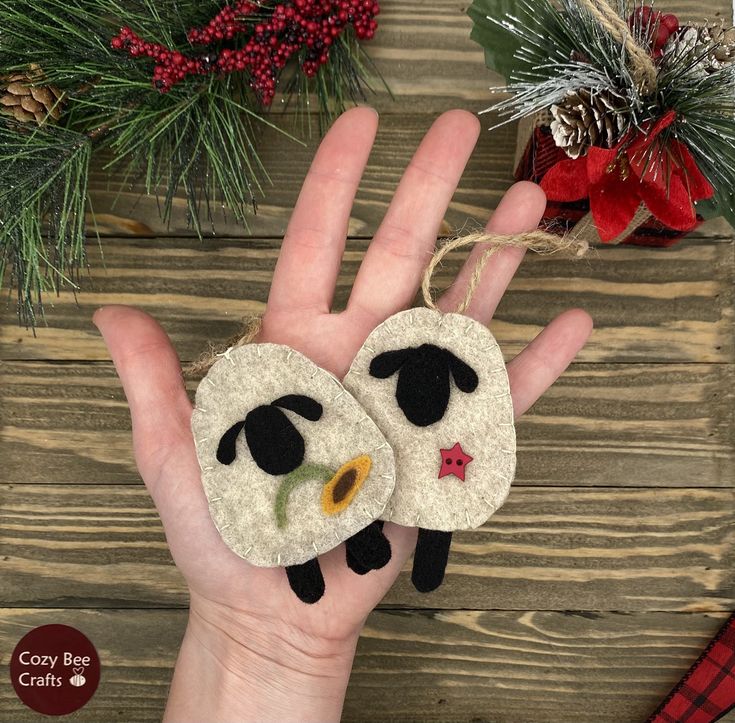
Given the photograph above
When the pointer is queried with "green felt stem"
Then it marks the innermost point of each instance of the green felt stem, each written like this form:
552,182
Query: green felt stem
305,473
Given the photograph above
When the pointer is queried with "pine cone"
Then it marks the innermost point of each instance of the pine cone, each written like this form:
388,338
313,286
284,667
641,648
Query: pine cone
587,118
23,96
715,45
724,40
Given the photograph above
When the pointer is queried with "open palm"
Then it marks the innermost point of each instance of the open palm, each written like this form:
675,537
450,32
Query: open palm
223,586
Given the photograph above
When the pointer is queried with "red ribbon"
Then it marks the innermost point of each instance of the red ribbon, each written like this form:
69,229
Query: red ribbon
642,168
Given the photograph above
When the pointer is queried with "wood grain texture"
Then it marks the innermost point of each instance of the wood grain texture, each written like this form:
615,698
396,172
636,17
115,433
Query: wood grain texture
673,305
624,506
612,425
497,667
592,549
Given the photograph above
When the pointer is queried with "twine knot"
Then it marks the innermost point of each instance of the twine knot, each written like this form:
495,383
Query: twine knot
250,328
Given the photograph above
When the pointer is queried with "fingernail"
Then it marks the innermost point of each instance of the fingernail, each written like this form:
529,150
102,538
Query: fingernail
94,315
369,107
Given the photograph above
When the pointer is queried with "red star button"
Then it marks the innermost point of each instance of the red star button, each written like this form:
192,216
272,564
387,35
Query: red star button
454,461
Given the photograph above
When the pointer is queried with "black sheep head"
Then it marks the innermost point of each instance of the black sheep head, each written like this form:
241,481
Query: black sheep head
424,384
276,445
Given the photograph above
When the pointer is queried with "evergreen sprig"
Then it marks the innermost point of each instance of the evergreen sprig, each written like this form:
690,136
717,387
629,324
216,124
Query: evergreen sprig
547,50
558,49
705,106
200,138
43,177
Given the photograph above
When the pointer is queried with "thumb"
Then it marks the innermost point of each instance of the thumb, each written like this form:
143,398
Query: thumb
150,373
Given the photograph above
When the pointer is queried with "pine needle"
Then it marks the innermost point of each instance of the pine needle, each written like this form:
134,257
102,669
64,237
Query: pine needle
43,194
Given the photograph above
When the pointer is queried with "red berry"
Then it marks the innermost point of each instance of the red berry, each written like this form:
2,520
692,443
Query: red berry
661,35
670,22
293,25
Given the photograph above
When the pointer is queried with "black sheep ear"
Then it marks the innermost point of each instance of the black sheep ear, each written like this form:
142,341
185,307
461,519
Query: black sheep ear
388,363
464,375
226,447
304,406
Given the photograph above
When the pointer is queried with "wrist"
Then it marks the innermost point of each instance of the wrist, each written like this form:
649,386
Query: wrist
234,666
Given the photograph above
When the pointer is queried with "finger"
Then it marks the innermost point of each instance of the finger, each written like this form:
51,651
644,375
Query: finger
312,248
541,363
391,271
150,373
520,209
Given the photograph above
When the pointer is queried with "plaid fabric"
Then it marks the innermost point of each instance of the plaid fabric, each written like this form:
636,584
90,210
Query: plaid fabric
707,691
540,155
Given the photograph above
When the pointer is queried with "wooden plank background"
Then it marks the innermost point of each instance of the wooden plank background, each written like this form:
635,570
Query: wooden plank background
584,599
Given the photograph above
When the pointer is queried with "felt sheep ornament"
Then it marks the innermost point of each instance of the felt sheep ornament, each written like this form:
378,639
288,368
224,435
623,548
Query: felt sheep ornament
437,387
292,465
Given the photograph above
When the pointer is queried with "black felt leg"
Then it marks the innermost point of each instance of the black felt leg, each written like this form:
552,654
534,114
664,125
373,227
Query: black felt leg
306,581
355,565
430,559
368,549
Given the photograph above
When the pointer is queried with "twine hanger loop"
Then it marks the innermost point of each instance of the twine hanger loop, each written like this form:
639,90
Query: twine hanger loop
542,242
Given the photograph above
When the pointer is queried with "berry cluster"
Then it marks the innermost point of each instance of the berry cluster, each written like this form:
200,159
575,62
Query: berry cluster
657,27
224,25
310,24
171,65
293,26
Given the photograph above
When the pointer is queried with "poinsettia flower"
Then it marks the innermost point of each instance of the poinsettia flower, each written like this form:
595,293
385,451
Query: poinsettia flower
662,174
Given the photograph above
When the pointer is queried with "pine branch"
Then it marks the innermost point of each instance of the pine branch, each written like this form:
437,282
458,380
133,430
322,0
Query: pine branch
177,140
705,106
202,143
199,138
43,192
559,50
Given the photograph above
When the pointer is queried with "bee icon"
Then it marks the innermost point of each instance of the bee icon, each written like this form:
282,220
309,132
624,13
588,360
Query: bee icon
78,680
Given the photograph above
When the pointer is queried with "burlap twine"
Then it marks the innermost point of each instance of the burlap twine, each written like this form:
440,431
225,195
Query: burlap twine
642,68
541,242
250,328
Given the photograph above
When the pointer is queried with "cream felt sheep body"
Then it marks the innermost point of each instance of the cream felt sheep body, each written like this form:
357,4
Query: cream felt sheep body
291,464
437,386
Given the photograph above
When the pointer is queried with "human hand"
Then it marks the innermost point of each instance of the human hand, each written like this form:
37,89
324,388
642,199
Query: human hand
252,650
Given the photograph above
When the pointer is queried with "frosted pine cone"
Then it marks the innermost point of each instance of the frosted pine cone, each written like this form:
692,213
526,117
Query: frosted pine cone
714,46
587,118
